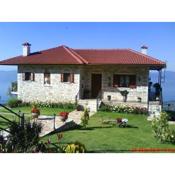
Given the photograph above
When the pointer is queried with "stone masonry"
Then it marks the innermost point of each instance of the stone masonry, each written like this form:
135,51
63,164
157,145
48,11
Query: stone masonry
57,91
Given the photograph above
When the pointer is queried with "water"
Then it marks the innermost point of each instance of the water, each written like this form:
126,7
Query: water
6,77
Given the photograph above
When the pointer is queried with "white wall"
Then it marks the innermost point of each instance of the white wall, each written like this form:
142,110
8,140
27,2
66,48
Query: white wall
57,91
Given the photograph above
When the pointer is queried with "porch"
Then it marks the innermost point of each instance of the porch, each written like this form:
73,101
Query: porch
108,83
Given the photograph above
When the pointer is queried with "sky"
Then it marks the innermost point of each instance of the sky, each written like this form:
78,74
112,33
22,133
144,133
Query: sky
159,37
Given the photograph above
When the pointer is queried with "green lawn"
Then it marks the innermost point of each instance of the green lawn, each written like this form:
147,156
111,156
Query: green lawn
105,138
27,112
98,137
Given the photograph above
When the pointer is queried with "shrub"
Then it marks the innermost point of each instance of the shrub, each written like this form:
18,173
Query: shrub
161,129
105,107
13,102
123,109
22,138
85,118
50,105
76,147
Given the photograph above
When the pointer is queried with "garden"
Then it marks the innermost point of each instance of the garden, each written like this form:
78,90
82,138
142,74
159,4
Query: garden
96,134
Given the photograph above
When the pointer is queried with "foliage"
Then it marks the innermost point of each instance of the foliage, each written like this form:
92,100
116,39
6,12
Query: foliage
76,147
124,93
13,102
123,109
161,129
50,105
23,137
85,118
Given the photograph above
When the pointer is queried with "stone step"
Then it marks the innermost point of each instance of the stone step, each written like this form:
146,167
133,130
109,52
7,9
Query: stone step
91,104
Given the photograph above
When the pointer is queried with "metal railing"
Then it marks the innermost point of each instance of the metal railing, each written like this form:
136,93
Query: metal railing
19,115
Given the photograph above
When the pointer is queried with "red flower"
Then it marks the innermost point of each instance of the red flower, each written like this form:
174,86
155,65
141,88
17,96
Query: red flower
35,110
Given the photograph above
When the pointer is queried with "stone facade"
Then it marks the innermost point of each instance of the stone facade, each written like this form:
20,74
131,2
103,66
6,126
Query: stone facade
58,91
107,71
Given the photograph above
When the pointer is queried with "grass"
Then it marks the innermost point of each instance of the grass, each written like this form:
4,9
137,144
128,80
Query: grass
27,112
98,137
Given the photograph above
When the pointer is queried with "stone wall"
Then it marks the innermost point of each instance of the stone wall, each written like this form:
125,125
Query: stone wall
57,91
142,75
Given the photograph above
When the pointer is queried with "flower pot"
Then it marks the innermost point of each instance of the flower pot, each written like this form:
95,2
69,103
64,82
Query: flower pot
35,115
63,115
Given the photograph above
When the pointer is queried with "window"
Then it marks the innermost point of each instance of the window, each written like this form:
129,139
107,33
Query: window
28,76
67,77
124,81
47,78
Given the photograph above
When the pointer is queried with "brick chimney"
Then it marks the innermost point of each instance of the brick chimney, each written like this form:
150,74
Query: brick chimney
26,49
144,49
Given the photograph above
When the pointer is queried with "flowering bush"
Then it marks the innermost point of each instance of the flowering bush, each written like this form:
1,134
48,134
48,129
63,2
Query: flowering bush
124,109
76,147
161,129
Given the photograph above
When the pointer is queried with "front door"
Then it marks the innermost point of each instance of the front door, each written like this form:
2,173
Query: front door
95,84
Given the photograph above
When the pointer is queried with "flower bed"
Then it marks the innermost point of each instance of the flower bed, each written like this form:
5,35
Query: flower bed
124,109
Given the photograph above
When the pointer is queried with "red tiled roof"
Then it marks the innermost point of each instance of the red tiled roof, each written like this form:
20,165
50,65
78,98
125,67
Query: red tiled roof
66,55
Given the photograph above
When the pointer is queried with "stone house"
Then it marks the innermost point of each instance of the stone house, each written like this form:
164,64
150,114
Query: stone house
63,74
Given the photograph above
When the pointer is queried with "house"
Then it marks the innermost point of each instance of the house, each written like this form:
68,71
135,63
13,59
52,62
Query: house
63,74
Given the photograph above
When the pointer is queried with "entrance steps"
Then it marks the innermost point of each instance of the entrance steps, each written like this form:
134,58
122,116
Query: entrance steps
91,104
154,110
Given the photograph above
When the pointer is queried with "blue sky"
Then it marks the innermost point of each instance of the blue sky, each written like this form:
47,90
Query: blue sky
159,37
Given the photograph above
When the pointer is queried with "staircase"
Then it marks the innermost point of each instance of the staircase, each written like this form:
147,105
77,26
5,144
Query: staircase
91,104
155,108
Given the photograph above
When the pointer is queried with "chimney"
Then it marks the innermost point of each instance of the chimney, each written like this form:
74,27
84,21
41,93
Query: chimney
26,49
144,49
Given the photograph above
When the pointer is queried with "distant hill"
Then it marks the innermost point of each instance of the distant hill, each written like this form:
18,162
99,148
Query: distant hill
6,77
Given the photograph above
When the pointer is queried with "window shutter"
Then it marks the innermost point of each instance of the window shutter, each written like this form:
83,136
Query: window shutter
72,78
132,81
116,80
23,76
62,76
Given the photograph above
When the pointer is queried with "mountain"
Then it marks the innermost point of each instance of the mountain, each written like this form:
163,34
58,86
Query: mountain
6,77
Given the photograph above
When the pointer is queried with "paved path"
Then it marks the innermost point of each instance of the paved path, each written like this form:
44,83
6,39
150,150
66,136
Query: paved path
49,124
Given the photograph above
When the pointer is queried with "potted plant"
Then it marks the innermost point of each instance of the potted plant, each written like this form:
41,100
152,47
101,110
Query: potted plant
139,99
125,95
35,112
63,116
